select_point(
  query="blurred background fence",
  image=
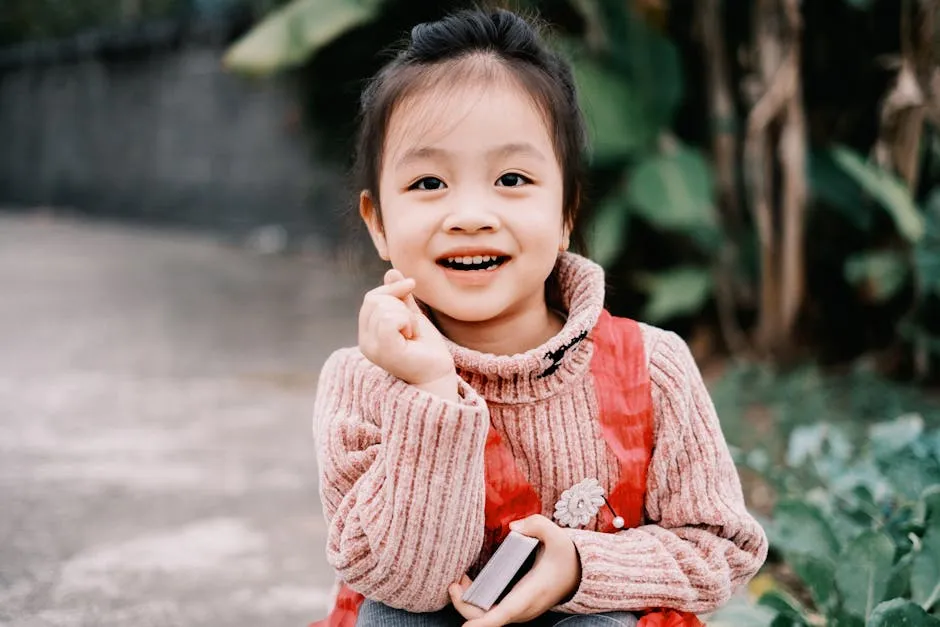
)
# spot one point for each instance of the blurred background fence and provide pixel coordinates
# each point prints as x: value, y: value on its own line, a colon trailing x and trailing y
x: 131, y: 116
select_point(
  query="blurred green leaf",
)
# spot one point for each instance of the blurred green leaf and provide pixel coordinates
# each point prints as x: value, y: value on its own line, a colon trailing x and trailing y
x: 901, y: 613
x: 863, y: 572
x: 888, y: 438
x: 841, y: 618
x: 887, y: 189
x: 818, y: 575
x: 674, y: 191
x: 928, y: 507
x: 740, y: 613
x: 810, y: 441
x: 927, y: 251
x: 675, y: 292
x: 293, y: 33
x: 619, y: 125
x: 784, y: 604
x: 652, y: 60
x: 643, y: 57
x: 609, y: 226
x: 925, y: 573
x: 800, y: 528
x: 830, y: 183
x: 899, y: 585
x: 880, y: 274
x: 910, y: 475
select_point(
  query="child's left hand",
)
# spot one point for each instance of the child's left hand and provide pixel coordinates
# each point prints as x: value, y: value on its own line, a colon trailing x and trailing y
x: 554, y: 577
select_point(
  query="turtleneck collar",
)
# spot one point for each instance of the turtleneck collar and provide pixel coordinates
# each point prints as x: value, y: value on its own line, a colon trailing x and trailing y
x: 542, y: 371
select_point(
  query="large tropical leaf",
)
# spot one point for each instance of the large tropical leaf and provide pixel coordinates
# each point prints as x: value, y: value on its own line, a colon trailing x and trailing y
x: 619, y: 125
x: 675, y: 292
x: 608, y: 230
x: 644, y: 57
x: 830, y: 183
x: 887, y: 189
x: 293, y: 33
x: 674, y: 191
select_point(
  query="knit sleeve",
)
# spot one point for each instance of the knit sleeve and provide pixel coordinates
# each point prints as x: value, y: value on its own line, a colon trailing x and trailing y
x: 701, y: 543
x: 401, y: 482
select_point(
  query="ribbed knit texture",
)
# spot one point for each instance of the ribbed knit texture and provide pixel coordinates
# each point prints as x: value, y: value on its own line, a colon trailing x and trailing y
x: 402, y: 471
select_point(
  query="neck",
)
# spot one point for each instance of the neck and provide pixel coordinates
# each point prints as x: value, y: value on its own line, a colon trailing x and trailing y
x: 509, y: 334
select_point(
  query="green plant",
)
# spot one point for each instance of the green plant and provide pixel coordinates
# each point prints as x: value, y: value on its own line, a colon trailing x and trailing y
x: 858, y: 521
x: 631, y: 84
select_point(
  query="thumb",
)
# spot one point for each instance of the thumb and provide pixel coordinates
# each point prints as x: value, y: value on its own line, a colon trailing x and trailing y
x: 393, y: 276
x: 535, y: 526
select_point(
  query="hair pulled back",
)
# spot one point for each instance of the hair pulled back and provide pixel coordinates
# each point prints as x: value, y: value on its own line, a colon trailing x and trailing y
x: 509, y: 39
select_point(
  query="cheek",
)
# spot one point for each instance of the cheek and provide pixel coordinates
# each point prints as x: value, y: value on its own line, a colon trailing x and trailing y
x: 406, y: 235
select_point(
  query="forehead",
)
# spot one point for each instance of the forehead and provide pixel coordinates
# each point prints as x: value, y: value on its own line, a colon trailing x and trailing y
x: 467, y: 110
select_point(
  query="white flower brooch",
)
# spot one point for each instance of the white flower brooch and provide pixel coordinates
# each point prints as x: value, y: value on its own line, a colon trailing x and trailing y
x: 581, y: 502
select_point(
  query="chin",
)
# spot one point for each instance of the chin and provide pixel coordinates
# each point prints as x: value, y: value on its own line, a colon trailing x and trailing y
x: 469, y: 312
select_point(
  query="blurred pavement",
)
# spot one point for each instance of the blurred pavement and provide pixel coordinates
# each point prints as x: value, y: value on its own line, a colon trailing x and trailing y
x: 156, y: 459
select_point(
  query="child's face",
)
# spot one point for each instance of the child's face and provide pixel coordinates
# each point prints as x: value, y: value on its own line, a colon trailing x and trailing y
x: 469, y: 171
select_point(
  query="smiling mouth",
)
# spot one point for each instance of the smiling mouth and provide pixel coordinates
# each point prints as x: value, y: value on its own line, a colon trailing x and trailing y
x: 473, y: 263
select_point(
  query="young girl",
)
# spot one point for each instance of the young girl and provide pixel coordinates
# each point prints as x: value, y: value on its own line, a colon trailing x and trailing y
x: 491, y: 390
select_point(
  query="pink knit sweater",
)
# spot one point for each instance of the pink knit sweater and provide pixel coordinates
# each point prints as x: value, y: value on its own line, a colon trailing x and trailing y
x: 402, y: 471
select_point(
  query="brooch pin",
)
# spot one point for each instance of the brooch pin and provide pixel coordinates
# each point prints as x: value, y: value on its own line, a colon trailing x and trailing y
x: 581, y: 502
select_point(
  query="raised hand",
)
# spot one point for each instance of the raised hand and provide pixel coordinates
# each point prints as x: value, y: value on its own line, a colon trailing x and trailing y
x: 395, y: 335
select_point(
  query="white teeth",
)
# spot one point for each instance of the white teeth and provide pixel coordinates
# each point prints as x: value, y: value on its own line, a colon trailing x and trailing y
x: 476, y: 261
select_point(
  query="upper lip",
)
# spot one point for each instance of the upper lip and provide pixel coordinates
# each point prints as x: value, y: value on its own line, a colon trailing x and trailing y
x: 472, y: 251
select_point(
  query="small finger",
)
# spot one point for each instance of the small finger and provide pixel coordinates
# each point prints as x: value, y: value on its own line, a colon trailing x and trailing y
x: 393, y: 276
x: 399, y: 289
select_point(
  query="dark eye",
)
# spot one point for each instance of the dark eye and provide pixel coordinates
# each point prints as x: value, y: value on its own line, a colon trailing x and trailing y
x: 428, y: 184
x: 512, y: 179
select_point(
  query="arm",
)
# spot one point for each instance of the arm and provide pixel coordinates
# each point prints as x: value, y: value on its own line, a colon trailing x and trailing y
x: 703, y: 543
x: 401, y: 481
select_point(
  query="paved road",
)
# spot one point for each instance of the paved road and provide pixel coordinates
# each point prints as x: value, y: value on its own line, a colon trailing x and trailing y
x: 156, y: 462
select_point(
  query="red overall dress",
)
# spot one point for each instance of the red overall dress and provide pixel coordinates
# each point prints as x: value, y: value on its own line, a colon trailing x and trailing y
x: 622, y: 385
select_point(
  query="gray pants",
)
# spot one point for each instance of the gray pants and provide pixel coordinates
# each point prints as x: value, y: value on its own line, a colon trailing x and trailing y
x: 375, y: 614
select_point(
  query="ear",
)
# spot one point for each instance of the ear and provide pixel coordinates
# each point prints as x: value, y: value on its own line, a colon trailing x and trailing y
x: 370, y: 215
x: 565, y: 240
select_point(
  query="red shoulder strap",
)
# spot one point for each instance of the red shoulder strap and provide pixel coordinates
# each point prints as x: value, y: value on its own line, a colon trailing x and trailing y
x: 622, y: 386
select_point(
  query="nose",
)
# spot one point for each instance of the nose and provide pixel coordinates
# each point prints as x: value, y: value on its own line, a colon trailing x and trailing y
x: 470, y: 215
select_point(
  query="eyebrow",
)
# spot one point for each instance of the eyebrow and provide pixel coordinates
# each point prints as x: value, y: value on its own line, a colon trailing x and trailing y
x: 506, y: 150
